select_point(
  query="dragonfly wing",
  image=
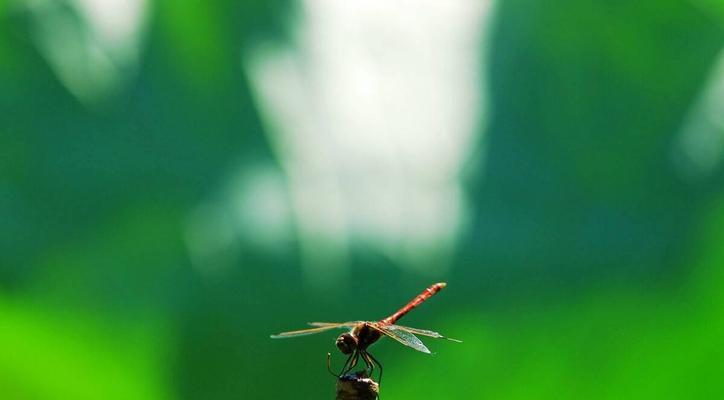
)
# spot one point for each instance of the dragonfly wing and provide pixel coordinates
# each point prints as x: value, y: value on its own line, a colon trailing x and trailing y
x: 310, y: 331
x: 421, y: 332
x: 404, y: 337
x: 336, y: 324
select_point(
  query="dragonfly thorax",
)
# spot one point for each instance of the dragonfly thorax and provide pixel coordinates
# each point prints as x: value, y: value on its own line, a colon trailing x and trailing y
x: 359, y: 338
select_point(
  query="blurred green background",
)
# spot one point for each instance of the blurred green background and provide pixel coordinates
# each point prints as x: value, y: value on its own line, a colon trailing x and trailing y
x: 167, y: 200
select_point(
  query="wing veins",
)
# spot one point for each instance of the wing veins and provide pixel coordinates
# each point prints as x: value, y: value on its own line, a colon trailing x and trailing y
x: 421, y: 332
x: 304, y: 332
x: 349, y: 324
x: 406, y: 338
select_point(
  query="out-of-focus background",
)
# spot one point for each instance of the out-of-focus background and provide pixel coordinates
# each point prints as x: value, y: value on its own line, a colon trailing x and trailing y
x: 180, y: 179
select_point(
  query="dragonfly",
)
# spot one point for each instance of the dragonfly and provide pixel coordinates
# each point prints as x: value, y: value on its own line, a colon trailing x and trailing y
x: 362, y: 334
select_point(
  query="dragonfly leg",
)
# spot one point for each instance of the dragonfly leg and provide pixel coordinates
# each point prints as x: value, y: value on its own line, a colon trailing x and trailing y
x: 355, y: 359
x: 345, y: 367
x: 374, y: 361
x: 329, y: 365
x: 369, y: 364
x: 350, y: 363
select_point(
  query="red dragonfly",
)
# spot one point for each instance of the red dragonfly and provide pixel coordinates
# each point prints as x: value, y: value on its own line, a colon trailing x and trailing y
x: 362, y: 334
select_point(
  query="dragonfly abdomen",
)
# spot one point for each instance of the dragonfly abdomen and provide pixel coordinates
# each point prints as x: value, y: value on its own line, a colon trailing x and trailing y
x: 419, y: 299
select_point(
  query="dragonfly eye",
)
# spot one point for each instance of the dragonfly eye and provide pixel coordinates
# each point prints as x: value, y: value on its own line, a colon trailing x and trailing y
x: 346, y: 343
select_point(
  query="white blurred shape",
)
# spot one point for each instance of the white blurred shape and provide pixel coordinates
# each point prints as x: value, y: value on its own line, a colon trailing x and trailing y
x: 252, y: 208
x: 372, y: 114
x: 700, y: 147
x: 92, y: 45
x: 117, y: 25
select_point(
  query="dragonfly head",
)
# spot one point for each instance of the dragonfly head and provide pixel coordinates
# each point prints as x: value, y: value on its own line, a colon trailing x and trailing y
x: 346, y: 343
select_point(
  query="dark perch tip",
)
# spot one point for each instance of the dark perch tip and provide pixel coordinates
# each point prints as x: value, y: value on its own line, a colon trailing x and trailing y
x: 357, y: 386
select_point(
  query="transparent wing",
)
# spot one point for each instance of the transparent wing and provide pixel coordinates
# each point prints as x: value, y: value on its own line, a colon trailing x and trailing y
x: 336, y: 324
x: 404, y: 337
x: 310, y: 331
x: 421, y: 332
